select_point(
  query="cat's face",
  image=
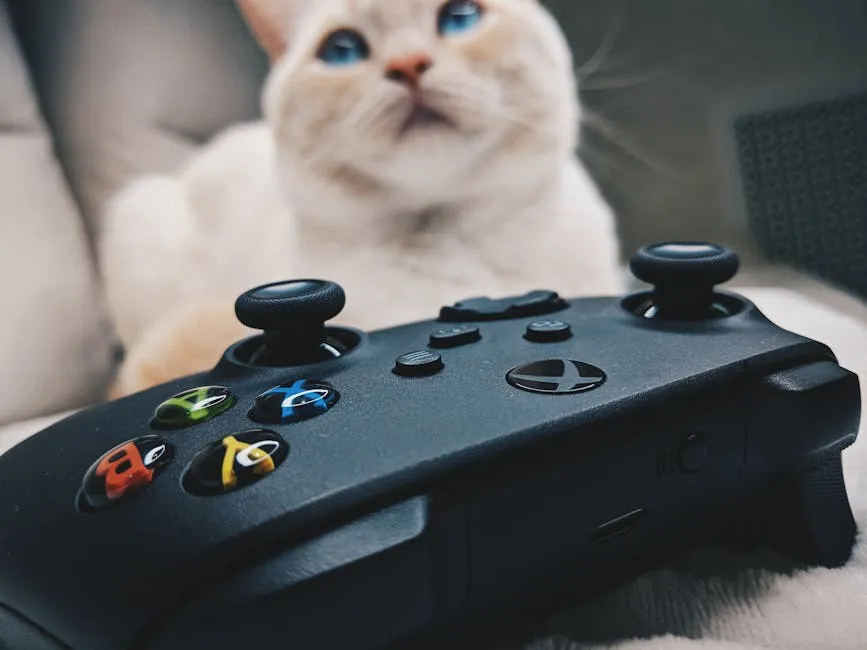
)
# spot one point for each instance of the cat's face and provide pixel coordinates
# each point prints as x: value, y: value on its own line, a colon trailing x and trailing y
x: 418, y: 91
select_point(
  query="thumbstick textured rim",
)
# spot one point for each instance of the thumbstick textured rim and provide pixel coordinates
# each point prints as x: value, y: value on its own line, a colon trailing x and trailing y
x: 292, y: 304
x: 684, y: 263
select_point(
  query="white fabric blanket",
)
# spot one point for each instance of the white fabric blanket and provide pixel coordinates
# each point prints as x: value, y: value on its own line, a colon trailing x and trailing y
x: 713, y: 603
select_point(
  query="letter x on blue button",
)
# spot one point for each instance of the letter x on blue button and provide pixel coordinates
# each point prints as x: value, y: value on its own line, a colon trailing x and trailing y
x: 294, y: 402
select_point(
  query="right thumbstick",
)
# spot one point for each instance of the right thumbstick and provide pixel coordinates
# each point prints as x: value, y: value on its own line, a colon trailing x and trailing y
x: 684, y: 276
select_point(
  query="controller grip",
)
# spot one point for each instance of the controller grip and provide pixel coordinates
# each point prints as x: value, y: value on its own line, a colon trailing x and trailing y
x: 818, y: 527
x: 801, y: 419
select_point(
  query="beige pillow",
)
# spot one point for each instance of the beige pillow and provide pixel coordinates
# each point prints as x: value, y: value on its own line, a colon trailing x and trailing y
x: 54, y: 339
x: 135, y: 86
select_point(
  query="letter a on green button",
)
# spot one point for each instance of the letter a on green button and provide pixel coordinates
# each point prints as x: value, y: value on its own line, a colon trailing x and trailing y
x: 195, y: 406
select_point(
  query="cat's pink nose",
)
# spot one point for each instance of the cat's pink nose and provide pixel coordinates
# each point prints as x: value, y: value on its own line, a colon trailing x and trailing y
x: 409, y: 68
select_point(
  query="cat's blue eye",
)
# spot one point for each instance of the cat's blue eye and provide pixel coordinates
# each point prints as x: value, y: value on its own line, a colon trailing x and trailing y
x: 459, y: 16
x: 344, y: 47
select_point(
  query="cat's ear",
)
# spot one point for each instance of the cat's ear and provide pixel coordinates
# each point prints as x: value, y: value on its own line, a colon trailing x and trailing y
x: 270, y: 21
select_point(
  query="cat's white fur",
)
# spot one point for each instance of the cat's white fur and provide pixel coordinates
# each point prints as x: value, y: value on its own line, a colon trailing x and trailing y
x: 322, y: 188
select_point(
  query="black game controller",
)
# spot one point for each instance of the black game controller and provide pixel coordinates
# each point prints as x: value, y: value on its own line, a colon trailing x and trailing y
x: 416, y: 487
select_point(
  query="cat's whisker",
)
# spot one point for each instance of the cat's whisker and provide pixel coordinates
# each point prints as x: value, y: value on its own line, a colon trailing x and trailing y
x: 616, y: 136
x: 385, y: 116
x: 465, y: 92
x: 522, y: 121
x: 617, y: 83
x: 371, y: 115
x: 510, y: 113
x: 366, y: 110
x: 605, y: 48
x: 461, y: 89
x: 462, y: 104
x: 604, y: 165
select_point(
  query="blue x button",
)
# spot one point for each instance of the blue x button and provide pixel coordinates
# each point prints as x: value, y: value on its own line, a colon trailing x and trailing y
x: 288, y: 403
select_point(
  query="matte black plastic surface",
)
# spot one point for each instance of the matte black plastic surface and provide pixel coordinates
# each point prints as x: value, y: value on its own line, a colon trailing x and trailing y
x: 19, y: 634
x: 417, y: 509
x: 534, y: 303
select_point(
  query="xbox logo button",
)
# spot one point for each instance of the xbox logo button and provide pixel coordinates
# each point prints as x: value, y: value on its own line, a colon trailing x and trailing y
x: 556, y: 377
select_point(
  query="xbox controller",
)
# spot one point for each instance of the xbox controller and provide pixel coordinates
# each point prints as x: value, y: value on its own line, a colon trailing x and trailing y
x: 323, y: 487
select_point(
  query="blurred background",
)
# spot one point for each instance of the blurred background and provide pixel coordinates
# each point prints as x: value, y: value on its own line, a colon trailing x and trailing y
x: 741, y: 121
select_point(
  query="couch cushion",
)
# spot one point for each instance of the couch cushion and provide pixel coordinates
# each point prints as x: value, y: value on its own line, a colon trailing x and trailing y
x: 12, y: 434
x: 133, y: 87
x: 54, y: 340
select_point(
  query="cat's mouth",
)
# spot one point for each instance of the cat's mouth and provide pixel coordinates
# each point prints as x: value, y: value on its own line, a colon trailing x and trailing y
x: 422, y: 116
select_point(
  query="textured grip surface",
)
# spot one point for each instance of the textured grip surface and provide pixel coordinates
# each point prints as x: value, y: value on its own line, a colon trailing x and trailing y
x: 820, y: 529
x: 698, y: 263
x: 285, y: 305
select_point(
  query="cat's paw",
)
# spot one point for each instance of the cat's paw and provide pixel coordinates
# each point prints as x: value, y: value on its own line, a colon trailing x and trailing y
x: 189, y: 341
x: 146, y: 243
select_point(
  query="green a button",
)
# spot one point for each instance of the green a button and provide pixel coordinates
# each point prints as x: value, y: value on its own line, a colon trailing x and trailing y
x: 191, y: 407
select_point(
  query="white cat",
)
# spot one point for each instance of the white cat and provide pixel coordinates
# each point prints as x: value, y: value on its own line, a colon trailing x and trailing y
x: 415, y: 151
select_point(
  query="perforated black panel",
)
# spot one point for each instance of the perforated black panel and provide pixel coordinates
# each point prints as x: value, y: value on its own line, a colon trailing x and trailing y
x: 805, y: 183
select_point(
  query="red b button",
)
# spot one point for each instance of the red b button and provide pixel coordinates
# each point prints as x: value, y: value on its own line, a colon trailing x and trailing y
x: 124, y: 470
